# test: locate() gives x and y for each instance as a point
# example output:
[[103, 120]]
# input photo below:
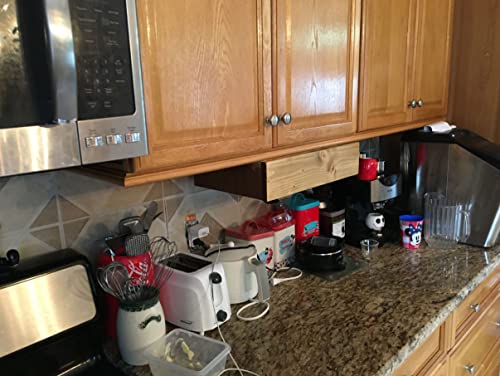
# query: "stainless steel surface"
[[93, 141], [43, 306], [412, 103], [272, 121], [134, 123], [475, 307], [480, 193], [286, 118], [36, 148], [470, 368], [380, 192], [461, 176], [62, 60], [420, 103]]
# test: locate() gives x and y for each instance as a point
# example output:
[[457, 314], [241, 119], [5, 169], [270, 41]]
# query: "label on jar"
[[338, 228]]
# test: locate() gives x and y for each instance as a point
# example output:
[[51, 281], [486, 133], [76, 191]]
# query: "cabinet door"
[[432, 57], [316, 68], [440, 370], [387, 62], [207, 72]]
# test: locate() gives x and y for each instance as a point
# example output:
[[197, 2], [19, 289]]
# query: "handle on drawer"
[[470, 368], [475, 307]]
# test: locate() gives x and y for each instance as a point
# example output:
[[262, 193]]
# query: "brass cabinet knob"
[[286, 118], [272, 121], [420, 103], [470, 368], [475, 307], [412, 103]]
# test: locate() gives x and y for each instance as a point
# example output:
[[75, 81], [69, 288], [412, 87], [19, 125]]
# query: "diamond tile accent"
[[72, 230], [49, 236], [171, 189], [70, 211], [172, 205], [154, 193], [48, 215]]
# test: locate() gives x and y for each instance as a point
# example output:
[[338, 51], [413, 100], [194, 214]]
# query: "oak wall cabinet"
[[405, 61], [475, 82], [225, 78]]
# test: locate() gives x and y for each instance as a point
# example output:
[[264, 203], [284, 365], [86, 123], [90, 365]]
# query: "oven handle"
[[61, 60]]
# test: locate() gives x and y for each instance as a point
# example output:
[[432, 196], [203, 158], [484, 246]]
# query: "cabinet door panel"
[[387, 62], [432, 57], [316, 66], [205, 65]]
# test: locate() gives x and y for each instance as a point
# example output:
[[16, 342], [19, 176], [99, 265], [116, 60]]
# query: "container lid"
[[250, 230], [299, 202], [277, 220], [332, 214]]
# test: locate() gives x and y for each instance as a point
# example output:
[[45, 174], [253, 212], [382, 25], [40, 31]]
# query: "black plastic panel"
[[104, 70]]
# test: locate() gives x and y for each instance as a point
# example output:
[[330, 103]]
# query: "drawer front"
[[492, 364], [473, 305], [425, 356], [470, 355]]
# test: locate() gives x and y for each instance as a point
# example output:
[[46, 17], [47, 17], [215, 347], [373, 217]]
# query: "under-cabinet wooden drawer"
[[474, 305], [424, 358], [492, 363], [470, 357]]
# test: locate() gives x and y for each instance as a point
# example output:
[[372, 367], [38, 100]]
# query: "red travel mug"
[[367, 169]]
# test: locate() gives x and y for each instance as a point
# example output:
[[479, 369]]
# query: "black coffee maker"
[[371, 212]]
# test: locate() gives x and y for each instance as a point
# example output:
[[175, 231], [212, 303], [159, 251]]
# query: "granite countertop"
[[367, 323]]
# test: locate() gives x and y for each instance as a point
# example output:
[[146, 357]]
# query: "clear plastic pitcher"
[[446, 222]]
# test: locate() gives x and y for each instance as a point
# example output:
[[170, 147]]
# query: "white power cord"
[[251, 304], [238, 368], [276, 281]]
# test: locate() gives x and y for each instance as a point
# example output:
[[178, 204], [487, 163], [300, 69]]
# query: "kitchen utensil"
[[149, 215], [138, 325], [446, 221], [245, 272], [195, 296], [137, 244], [305, 211], [142, 275], [112, 279], [367, 169], [131, 225], [252, 233], [368, 246], [182, 353], [321, 253], [411, 230]]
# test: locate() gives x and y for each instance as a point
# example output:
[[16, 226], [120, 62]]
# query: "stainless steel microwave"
[[70, 84]]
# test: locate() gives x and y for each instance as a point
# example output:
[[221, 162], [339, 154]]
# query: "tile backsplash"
[[47, 211]]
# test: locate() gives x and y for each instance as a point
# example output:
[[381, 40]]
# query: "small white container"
[[210, 352]]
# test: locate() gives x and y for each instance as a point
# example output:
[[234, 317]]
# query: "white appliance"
[[195, 297], [245, 272]]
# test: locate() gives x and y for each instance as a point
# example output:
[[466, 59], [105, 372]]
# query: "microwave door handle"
[[61, 60]]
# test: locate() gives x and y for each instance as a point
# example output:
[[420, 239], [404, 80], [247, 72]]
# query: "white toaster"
[[195, 296]]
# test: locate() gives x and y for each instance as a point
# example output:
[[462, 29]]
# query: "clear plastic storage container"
[[200, 356]]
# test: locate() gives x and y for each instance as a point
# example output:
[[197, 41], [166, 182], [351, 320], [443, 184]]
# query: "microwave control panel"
[[102, 51]]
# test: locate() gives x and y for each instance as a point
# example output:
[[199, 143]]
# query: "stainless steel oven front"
[[70, 84]]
